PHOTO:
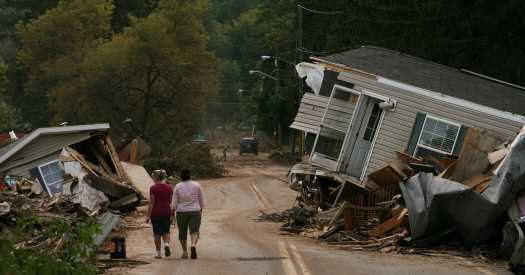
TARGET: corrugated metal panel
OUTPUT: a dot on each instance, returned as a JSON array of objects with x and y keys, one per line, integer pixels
[
  {"x": 23, "y": 170},
  {"x": 41, "y": 147},
  {"x": 399, "y": 123}
]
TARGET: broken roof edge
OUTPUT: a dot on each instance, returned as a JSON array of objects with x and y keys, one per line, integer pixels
[
  {"x": 458, "y": 70},
  {"x": 435, "y": 95},
  {"x": 51, "y": 130},
  {"x": 341, "y": 67}
]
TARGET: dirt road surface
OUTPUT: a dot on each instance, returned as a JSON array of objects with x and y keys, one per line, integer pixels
[{"x": 233, "y": 243}]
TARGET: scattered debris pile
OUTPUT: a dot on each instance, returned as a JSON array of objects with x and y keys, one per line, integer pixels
[
  {"x": 68, "y": 206},
  {"x": 419, "y": 202},
  {"x": 48, "y": 233}
]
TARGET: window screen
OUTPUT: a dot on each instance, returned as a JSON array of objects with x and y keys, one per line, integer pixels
[{"x": 438, "y": 135}]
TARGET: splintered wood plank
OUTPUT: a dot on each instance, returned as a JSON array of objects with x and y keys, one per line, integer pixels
[
  {"x": 78, "y": 157},
  {"x": 497, "y": 156},
  {"x": 477, "y": 180},
  {"x": 385, "y": 176},
  {"x": 114, "y": 158},
  {"x": 448, "y": 171},
  {"x": 406, "y": 158},
  {"x": 473, "y": 158},
  {"x": 390, "y": 224},
  {"x": 103, "y": 163}
]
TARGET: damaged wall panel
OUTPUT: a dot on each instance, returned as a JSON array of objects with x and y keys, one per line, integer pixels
[{"x": 399, "y": 123}]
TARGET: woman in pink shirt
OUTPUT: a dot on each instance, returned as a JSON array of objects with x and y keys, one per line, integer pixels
[{"x": 187, "y": 202}]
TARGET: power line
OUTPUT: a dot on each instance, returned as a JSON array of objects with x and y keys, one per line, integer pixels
[
  {"x": 318, "y": 11},
  {"x": 304, "y": 50}
]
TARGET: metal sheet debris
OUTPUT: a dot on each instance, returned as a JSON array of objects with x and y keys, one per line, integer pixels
[{"x": 436, "y": 204}]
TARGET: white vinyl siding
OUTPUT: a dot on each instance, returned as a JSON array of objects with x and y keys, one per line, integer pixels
[{"x": 396, "y": 128}]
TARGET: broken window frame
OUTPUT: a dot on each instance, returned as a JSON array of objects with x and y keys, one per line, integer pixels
[
  {"x": 322, "y": 159},
  {"x": 427, "y": 147},
  {"x": 50, "y": 184}
]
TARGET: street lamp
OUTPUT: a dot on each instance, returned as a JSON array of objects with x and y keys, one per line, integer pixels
[
  {"x": 276, "y": 60},
  {"x": 252, "y": 72}
]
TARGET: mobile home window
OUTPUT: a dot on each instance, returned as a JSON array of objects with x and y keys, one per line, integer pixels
[
  {"x": 438, "y": 135},
  {"x": 53, "y": 176},
  {"x": 330, "y": 143}
]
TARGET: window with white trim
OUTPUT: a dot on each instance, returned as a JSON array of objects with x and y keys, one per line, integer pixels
[
  {"x": 53, "y": 177},
  {"x": 438, "y": 135}
]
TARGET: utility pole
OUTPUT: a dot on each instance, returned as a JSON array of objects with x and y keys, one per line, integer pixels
[
  {"x": 277, "y": 78},
  {"x": 299, "y": 56}
]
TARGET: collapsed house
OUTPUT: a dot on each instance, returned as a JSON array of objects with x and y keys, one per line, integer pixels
[
  {"x": 397, "y": 144},
  {"x": 72, "y": 160},
  {"x": 373, "y": 102}
]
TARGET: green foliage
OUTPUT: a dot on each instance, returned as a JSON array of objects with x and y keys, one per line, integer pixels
[
  {"x": 194, "y": 156},
  {"x": 8, "y": 114},
  {"x": 126, "y": 9},
  {"x": 158, "y": 72},
  {"x": 75, "y": 256},
  {"x": 55, "y": 44}
]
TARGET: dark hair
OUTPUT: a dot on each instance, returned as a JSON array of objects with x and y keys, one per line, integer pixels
[{"x": 185, "y": 174}]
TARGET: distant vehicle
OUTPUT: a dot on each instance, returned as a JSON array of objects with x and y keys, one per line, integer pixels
[
  {"x": 199, "y": 139},
  {"x": 248, "y": 145}
]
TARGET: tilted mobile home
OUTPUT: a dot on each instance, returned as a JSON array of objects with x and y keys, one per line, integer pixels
[{"x": 373, "y": 102}]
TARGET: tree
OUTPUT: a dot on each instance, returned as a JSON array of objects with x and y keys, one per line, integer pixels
[
  {"x": 158, "y": 72},
  {"x": 7, "y": 112},
  {"x": 53, "y": 47}
]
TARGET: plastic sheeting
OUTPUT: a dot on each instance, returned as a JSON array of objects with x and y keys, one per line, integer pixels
[
  {"x": 435, "y": 204},
  {"x": 314, "y": 75}
]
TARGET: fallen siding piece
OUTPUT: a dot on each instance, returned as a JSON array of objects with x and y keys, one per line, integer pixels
[
  {"x": 108, "y": 221},
  {"x": 390, "y": 224},
  {"x": 138, "y": 177}
]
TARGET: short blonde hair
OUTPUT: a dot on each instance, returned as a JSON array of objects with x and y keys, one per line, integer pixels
[{"x": 159, "y": 174}]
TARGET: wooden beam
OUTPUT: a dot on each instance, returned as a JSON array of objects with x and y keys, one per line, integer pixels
[
  {"x": 78, "y": 157},
  {"x": 390, "y": 224},
  {"x": 339, "y": 194},
  {"x": 114, "y": 158},
  {"x": 133, "y": 151}
]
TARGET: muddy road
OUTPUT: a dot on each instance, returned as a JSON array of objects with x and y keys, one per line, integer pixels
[{"x": 233, "y": 243}]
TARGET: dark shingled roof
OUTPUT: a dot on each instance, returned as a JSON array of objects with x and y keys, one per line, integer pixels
[{"x": 432, "y": 76}]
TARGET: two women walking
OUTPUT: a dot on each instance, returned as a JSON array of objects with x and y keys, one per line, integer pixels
[{"x": 185, "y": 202}]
